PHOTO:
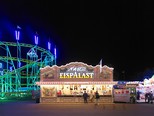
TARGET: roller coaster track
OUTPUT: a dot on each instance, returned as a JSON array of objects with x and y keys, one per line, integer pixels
[
  {"x": 30, "y": 63},
  {"x": 4, "y": 58},
  {"x": 26, "y": 45},
  {"x": 11, "y": 80}
]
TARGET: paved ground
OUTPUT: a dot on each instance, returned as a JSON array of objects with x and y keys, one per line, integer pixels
[{"x": 30, "y": 108}]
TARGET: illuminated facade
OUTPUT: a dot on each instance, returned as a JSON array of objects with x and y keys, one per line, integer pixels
[{"x": 62, "y": 83}]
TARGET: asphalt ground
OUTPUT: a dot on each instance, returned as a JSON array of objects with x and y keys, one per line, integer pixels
[{"x": 31, "y": 108}]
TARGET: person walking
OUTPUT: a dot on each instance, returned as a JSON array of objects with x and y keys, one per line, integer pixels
[
  {"x": 97, "y": 96},
  {"x": 85, "y": 97},
  {"x": 91, "y": 96}
]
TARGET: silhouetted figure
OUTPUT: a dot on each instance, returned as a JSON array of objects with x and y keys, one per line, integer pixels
[
  {"x": 85, "y": 97},
  {"x": 147, "y": 97},
  {"x": 151, "y": 97},
  {"x": 138, "y": 95},
  {"x": 96, "y": 97}
]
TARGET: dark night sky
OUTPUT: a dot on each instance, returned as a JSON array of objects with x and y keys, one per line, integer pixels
[{"x": 118, "y": 32}]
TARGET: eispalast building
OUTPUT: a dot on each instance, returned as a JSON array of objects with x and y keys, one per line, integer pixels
[{"x": 67, "y": 83}]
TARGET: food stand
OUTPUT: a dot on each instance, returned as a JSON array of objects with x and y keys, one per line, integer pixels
[{"x": 67, "y": 83}]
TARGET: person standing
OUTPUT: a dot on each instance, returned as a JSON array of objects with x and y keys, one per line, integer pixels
[
  {"x": 151, "y": 98},
  {"x": 146, "y": 97},
  {"x": 138, "y": 95},
  {"x": 85, "y": 97},
  {"x": 97, "y": 96}
]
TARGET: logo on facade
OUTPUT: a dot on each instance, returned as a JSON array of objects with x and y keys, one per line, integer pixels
[{"x": 76, "y": 72}]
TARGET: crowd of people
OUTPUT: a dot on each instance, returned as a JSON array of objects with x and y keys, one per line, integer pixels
[
  {"x": 92, "y": 96},
  {"x": 149, "y": 97}
]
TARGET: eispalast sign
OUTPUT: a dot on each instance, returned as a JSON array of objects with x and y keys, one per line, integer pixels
[{"x": 76, "y": 71}]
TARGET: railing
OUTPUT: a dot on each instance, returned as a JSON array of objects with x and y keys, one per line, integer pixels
[{"x": 16, "y": 95}]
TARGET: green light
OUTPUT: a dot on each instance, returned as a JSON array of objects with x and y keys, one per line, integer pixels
[{"x": 2, "y": 98}]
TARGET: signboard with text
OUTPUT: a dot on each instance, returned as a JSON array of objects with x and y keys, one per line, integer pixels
[{"x": 76, "y": 71}]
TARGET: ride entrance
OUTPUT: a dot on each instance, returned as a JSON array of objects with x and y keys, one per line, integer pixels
[{"x": 19, "y": 67}]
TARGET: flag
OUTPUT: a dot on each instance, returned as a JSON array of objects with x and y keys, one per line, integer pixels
[
  {"x": 18, "y": 27},
  {"x": 100, "y": 64}
]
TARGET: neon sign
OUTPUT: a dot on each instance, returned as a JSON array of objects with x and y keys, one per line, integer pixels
[{"x": 76, "y": 72}]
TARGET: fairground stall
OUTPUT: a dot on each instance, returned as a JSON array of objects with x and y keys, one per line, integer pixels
[
  {"x": 67, "y": 83},
  {"x": 133, "y": 91},
  {"x": 145, "y": 88},
  {"x": 125, "y": 91}
]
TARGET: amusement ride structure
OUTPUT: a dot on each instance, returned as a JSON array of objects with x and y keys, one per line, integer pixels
[{"x": 20, "y": 64}]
